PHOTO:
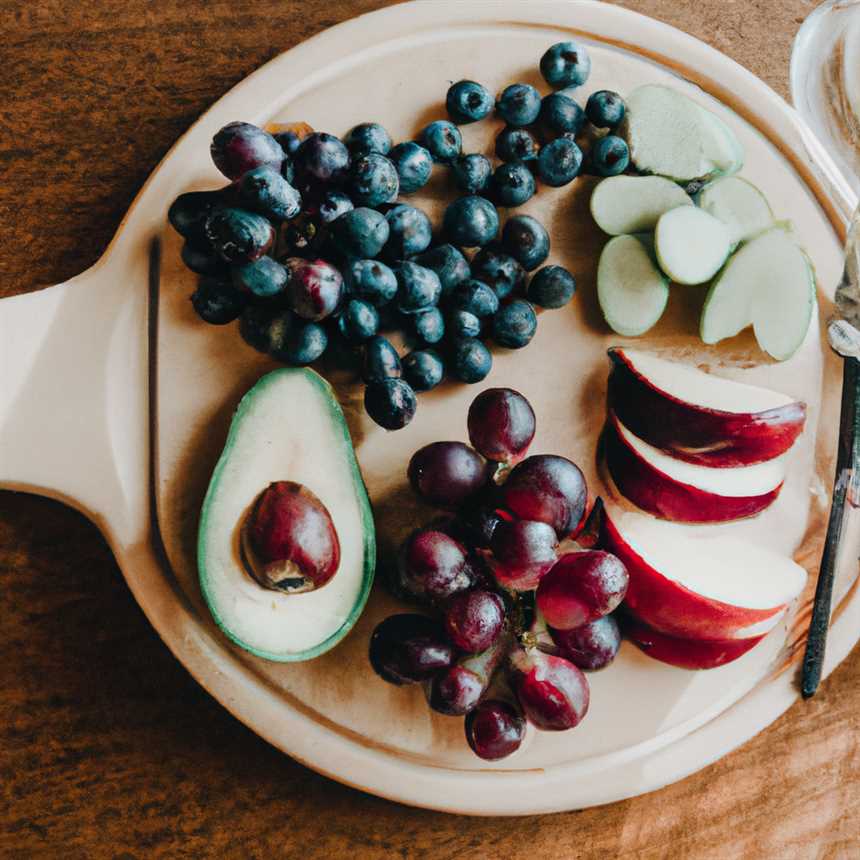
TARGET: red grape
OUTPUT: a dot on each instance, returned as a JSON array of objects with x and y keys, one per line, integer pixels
[
  {"x": 547, "y": 488},
  {"x": 408, "y": 648},
  {"x": 432, "y": 565},
  {"x": 446, "y": 474},
  {"x": 474, "y": 619},
  {"x": 552, "y": 692},
  {"x": 582, "y": 587},
  {"x": 501, "y": 424},
  {"x": 524, "y": 550},
  {"x": 240, "y": 147},
  {"x": 592, "y": 646},
  {"x": 495, "y": 729},
  {"x": 458, "y": 689}
]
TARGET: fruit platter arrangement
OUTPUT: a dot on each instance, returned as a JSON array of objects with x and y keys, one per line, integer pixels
[
  {"x": 399, "y": 270},
  {"x": 460, "y": 412}
]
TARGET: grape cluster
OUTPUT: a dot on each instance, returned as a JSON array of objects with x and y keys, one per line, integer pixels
[
  {"x": 312, "y": 247},
  {"x": 516, "y": 615}
]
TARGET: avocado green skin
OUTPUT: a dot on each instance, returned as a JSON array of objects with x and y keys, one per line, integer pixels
[{"x": 368, "y": 528}]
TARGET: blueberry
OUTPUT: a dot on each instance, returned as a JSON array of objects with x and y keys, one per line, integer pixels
[
  {"x": 518, "y": 105},
  {"x": 202, "y": 260},
  {"x": 414, "y": 165},
  {"x": 448, "y": 263},
  {"x": 264, "y": 278},
  {"x": 239, "y": 236},
  {"x": 217, "y": 301},
  {"x": 188, "y": 214},
  {"x": 240, "y": 147},
  {"x": 475, "y": 297},
  {"x": 358, "y": 321},
  {"x": 463, "y": 324},
  {"x": 610, "y": 156},
  {"x": 551, "y": 287},
  {"x": 380, "y": 360},
  {"x": 409, "y": 232},
  {"x": 294, "y": 341},
  {"x": 513, "y": 184},
  {"x": 566, "y": 64},
  {"x": 514, "y": 325},
  {"x": 332, "y": 205},
  {"x": 289, "y": 141},
  {"x": 526, "y": 240},
  {"x": 442, "y": 139},
  {"x": 423, "y": 369},
  {"x": 471, "y": 361},
  {"x": 468, "y": 101},
  {"x": 471, "y": 221},
  {"x": 373, "y": 180},
  {"x": 605, "y": 109},
  {"x": 516, "y": 144},
  {"x": 368, "y": 137},
  {"x": 560, "y": 114},
  {"x": 429, "y": 325},
  {"x": 471, "y": 172},
  {"x": 360, "y": 233},
  {"x": 418, "y": 288},
  {"x": 322, "y": 158},
  {"x": 559, "y": 162},
  {"x": 370, "y": 280},
  {"x": 314, "y": 289},
  {"x": 390, "y": 403},
  {"x": 255, "y": 322},
  {"x": 498, "y": 270},
  {"x": 265, "y": 191}
]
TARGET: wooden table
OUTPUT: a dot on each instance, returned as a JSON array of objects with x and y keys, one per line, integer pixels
[{"x": 107, "y": 747}]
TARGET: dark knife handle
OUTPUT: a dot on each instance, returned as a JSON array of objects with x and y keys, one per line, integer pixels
[{"x": 845, "y": 487}]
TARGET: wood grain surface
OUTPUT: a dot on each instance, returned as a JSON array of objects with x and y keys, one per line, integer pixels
[{"x": 107, "y": 747}]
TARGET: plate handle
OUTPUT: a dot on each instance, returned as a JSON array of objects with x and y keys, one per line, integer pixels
[{"x": 73, "y": 392}]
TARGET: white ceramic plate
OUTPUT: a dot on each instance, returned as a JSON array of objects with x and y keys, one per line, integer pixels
[{"x": 75, "y": 414}]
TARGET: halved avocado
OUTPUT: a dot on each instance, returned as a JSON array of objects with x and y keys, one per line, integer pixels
[{"x": 288, "y": 427}]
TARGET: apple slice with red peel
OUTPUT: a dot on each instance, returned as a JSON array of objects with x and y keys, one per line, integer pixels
[
  {"x": 694, "y": 587},
  {"x": 698, "y": 417},
  {"x": 685, "y": 492},
  {"x": 685, "y": 653}
]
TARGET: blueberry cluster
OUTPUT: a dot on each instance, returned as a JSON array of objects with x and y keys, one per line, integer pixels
[{"x": 313, "y": 250}]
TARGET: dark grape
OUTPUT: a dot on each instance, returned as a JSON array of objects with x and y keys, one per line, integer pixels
[
  {"x": 432, "y": 565},
  {"x": 524, "y": 550},
  {"x": 495, "y": 729},
  {"x": 239, "y": 236},
  {"x": 446, "y": 474},
  {"x": 547, "y": 488},
  {"x": 202, "y": 260},
  {"x": 239, "y": 147},
  {"x": 217, "y": 302},
  {"x": 381, "y": 361},
  {"x": 458, "y": 689},
  {"x": 551, "y": 690},
  {"x": 408, "y": 648},
  {"x": 592, "y": 646},
  {"x": 188, "y": 214},
  {"x": 391, "y": 403},
  {"x": 474, "y": 619},
  {"x": 582, "y": 587},
  {"x": 501, "y": 425}
]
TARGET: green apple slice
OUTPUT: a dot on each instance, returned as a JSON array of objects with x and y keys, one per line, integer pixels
[
  {"x": 631, "y": 290},
  {"x": 768, "y": 284},
  {"x": 691, "y": 244},
  {"x": 634, "y": 204},
  {"x": 739, "y": 205},
  {"x": 720, "y": 147},
  {"x": 289, "y": 426}
]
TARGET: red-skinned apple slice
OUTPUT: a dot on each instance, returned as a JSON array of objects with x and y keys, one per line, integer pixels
[
  {"x": 685, "y": 653},
  {"x": 702, "y": 588},
  {"x": 684, "y": 492},
  {"x": 698, "y": 417}
]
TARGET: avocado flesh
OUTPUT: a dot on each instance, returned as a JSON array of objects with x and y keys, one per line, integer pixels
[{"x": 289, "y": 426}]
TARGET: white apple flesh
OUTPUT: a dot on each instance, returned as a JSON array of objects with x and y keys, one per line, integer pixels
[
  {"x": 698, "y": 417},
  {"x": 701, "y": 588}
]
